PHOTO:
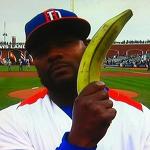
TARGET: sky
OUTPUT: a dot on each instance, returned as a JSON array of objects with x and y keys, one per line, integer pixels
[{"x": 16, "y": 13}]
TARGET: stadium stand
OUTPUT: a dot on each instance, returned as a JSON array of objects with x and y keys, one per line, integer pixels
[{"x": 121, "y": 54}]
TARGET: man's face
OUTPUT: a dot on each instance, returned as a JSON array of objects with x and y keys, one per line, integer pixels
[{"x": 57, "y": 63}]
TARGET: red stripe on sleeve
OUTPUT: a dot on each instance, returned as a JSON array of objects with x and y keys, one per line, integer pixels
[
  {"x": 120, "y": 97},
  {"x": 34, "y": 98}
]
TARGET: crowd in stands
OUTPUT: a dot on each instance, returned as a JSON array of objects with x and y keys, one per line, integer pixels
[{"x": 140, "y": 61}]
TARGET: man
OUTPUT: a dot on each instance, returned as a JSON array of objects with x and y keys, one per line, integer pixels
[
  {"x": 55, "y": 39},
  {"x": 9, "y": 64},
  {"x": 20, "y": 64},
  {"x": 148, "y": 64}
]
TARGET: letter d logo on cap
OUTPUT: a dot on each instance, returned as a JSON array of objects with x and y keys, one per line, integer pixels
[{"x": 54, "y": 14}]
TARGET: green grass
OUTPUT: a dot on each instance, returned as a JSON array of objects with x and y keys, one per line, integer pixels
[
  {"x": 15, "y": 68},
  {"x": 140, "y": 85},
  {"x": 113, "y": 69},
  {"x": 8, "y": 85},
  {"x": 136, "y": 84}
]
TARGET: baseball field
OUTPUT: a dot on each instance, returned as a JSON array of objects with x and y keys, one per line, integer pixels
[{"x": 129, "y": 80}]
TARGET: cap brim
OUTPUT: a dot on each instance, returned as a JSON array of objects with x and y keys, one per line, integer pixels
[{"x": 76, "y": 27}]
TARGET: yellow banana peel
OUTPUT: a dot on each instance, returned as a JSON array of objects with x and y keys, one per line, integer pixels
[{"x": 95, "y": 53}]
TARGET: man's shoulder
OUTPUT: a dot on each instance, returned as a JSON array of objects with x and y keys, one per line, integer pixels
[
  {"x": 9, "y": 115},
  {"x": 26, "y": 106},
  {"x": 39, "y": 96},
  {"x": 9, "y": 110},
  {"x": 125, "y": 100},
  {"x": 128, "y": 108},
  {"x": 25, "y": 111}
]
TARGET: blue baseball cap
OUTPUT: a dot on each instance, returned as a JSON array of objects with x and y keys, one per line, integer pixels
[{"x": 52, "y": 23}]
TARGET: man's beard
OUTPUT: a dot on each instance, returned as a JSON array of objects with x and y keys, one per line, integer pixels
[{"x": 65, "y": 88}]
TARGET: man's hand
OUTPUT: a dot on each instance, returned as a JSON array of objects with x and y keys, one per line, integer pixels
[{"x": 92, "y": 115}]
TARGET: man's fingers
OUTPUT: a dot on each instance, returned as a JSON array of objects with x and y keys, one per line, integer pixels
[
  {"x": 109, "y": 115},
  {"x": 105, "y": 103},
  {"x": 92, "y": 88},
  {"x": 100, "y": 95}
]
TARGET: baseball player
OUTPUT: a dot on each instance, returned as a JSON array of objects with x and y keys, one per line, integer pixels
[{"x": 57, "y": 118}]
